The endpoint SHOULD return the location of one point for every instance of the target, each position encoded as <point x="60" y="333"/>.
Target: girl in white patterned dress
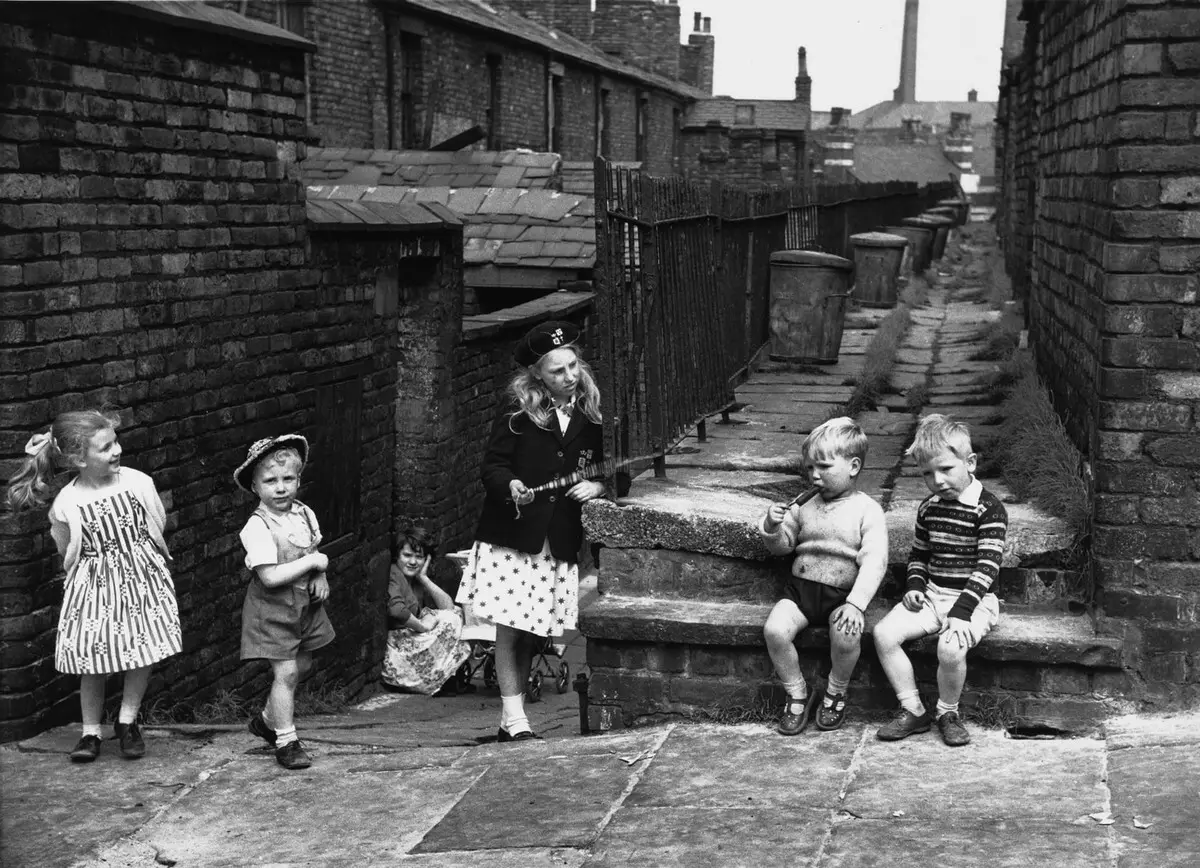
<point x="119" y="612"/>
<point x="523" y="572"/>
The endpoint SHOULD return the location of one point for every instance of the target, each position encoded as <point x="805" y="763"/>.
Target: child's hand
<point x="775" y="516"/>
<point x="318" y="589"/>
<point x="849" y="619"/>
<point x="586" y="490"/>
<point x="521" y="494"/>
<point x="320" y="562"/>
<point x="914" y="600"/>
<point x="958" y="631"/>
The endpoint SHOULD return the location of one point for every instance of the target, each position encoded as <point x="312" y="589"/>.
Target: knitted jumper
<point x="841" y="543"/>
<point x="957" y="545"/>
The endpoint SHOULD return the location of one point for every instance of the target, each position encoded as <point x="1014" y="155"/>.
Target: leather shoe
<point x="954" y="734"/>
<point x="905" y="724"/>
<point x="132" y="745"/>
<point x="259" y="727"/>
<point x="293" y="756"/>
<point x="794" y="723"/>
<point x="87" y="749"/>
<point x="503" y="736"/>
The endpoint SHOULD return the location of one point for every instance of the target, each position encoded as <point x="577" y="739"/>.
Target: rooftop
<point x="889" y="114"/>
<point x="922" y="163"/>
<point x="768" y="114"/>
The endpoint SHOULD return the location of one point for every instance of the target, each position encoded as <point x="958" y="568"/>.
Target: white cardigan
<point x="66" y="525"/>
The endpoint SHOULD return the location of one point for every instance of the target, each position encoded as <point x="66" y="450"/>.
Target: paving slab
<point x="1062" y="780"/>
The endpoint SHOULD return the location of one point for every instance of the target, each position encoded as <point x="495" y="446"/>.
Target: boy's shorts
<point x="937" y="608"/>
<point x="815" y="601"/>
<point x="279" y="623"/>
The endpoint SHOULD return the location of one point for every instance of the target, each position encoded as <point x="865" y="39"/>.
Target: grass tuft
<point x="227" y="707"/>
<point x="875" y="377"/>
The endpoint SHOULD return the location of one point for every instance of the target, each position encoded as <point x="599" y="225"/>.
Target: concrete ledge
<point x="1040" y="638"/>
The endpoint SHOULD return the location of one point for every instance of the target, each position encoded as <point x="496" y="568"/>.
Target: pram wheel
<point x="489" y="672"/>
<point x="564" y="677"/>
<point x="533" y="692"/>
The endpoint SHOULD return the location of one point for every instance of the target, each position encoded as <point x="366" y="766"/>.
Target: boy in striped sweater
<point x="955" y="560"/>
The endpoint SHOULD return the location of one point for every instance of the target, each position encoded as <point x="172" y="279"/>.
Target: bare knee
<point x="840" y="642"/>
<point x="286" y="672"/>
<point x="949" y="652"/>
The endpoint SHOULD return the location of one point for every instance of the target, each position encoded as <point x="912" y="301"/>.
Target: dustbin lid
<point x="953" y="203"/>
<point x="878" y="239"/>
<point x="942" y="211"/>
<point x="940" y="219"/>
<point x="923" y="222"/>
<point x="915" y="228"/>
<point x="810" y="259"/>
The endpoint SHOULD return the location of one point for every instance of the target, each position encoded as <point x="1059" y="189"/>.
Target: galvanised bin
<point x="877" y="259"/>
<point x="808" y="305"/>
<point x="942" y="227"/>
<point x="920" y="242"/>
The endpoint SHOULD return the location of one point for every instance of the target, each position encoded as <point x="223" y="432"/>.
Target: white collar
<point x="971" y="494"/>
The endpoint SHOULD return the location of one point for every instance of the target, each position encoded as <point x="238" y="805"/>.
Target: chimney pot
<point x="707" y="24"/>
<point x="696" y="25"/>
<point x="972" y="95"/>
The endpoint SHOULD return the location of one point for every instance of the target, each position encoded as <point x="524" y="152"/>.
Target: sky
<point x="853" y="48"/>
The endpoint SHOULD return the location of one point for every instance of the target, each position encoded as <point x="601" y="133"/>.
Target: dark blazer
<point x="536" y="456"/>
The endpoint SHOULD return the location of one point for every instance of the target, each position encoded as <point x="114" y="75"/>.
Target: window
<point x="743" y="115"/>
<point x="603" y="122"/>
<point x="410" y="89"/>
<point x="494" y="106"/>
<point x="555" y="109"/>
<point x="643" y="126"/>
<point x="292" y="16"/>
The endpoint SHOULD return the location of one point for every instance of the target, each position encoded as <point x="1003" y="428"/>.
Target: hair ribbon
<point x="38" y="442"/>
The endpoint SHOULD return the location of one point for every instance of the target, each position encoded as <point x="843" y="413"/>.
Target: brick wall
<point x="741" y="157"/>
<point x="156" y="255"/>
<point x="1108" y="192"/>
<point x="642" y="33"/>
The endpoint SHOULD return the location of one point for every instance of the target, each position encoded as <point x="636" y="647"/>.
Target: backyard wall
<point x="1101" y="170"/>
<point x="157" y="254"/>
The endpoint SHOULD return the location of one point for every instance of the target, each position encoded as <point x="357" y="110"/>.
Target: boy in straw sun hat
<point x="283" y="618"/>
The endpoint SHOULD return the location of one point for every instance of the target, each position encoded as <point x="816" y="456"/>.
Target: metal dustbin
<point x="808" y="305"/>
<point x="946" y="211"/>
<point x="961" y="209"/>
<point x="942" y="227"/>
<point x="877" y="259"/>
<point x="920" y="242"/>
<point x="931" y="225"/>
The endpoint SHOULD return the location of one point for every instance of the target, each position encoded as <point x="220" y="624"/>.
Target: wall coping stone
<point x="556" y="304"/>
<point x="1027" y="637"/>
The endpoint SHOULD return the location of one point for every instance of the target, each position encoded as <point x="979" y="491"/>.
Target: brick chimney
<point x="696" y="58"/>
<point x="839" y="146"/>
<point x="907" y="91"/>
<point x="972" y="95"/>
<point x="569" y="16"/>
<point x="959" y="145"/>
<point x="641" y="32"/>
<point x="803" y="80"/>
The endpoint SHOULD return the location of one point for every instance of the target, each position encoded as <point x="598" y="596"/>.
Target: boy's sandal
<point x="833" y="715"/>
<point x="793" y="723"/>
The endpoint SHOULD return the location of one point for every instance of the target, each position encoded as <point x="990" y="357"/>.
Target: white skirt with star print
<point x="535" y="593"/>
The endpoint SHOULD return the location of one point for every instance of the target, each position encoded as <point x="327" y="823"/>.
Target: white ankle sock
<point x="910" y="701"/>
<point x="835" y="686"/>
<point x="91" y="729"/>
<point x="285" y="736"/>
<point x="512" y="714"/>
<point x="796" y="690"/>
<point x="944" y="708"/>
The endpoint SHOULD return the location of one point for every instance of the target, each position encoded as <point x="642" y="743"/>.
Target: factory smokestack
<point x="907" y="91"/>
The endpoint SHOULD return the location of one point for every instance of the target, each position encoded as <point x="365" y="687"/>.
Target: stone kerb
<point x="685" y="585"/>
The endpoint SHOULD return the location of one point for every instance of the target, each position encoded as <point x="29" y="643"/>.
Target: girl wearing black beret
<point x="523" y="572"/>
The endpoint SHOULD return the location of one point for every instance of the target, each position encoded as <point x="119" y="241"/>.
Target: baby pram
<point x="482" y="637"/>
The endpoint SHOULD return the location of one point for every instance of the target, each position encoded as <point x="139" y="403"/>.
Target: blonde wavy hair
<point x="49" y="451"/>
<point x="533" y="399"/>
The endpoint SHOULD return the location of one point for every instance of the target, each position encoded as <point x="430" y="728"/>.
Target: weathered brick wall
<point x="483" y="368"/>
<point x="1111" y="90"/>
<point x="740" y="160"/>
<point x="156" y="255"/>
<point x="642" y="33"/>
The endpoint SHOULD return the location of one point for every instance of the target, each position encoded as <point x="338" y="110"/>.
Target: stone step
<point x="1041" y="638"/>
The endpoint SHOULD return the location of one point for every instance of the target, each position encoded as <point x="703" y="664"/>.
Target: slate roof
<point x="923" y="164"/>
<point x="201" y="16"/>
<point x="536" y="228"/>
<point x="769" y="114"/>
<point x="329" y="214"/>
<point x="983" y="158"/>
<point x="497" y="20"/>
<point x="431" y="168"/>
<point x="890" y="114"/>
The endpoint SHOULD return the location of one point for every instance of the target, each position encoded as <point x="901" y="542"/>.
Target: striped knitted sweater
<point x="957" y="545"/>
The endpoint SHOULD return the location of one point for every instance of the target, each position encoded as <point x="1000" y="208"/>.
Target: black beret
<point x="544" y="338"/>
